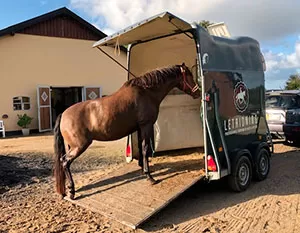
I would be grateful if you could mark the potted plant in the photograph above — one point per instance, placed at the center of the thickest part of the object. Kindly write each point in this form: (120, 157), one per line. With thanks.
(24, 121)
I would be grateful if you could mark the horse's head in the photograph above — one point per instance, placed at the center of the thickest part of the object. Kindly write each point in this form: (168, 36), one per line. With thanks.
(187, 83)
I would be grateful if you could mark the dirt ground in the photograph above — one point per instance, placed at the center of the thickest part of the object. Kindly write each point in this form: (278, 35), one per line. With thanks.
(28, 202)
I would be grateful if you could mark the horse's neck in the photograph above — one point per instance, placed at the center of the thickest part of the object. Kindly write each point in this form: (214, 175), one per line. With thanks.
(159, 93)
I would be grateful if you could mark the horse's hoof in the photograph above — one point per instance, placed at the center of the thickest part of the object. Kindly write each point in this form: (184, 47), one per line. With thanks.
(153, 181)
(72, 196)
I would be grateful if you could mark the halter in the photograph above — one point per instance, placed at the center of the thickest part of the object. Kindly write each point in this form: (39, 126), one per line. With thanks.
(186, 84)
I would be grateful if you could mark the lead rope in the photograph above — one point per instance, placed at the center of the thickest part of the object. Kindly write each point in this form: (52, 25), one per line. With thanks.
(183, 75)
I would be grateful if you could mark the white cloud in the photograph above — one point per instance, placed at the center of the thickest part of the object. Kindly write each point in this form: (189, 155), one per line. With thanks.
(270, 22)
(277, 61)
(263, 20)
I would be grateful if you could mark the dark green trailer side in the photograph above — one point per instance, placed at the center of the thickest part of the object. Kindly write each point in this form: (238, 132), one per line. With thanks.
(234, 107)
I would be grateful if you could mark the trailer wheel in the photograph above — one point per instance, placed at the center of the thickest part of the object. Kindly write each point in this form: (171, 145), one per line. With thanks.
(262, 165)
(241, 176)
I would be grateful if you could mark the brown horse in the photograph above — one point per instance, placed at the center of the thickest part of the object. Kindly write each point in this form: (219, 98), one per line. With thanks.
(134, 107)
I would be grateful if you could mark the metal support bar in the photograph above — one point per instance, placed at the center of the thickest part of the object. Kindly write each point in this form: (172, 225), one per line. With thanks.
(201, 79)
(221, 132)
(116, 61)
(170, 21)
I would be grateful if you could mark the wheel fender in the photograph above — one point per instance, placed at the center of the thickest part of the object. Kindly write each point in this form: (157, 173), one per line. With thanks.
(257, 146)
(235, 155)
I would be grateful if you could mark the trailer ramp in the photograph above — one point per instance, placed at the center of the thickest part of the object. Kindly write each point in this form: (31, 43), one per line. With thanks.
(127, 197)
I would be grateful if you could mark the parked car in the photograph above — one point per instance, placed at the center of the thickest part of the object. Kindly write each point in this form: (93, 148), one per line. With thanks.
(282, 110)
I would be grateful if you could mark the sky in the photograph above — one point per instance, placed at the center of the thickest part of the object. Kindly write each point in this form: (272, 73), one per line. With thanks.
(273, 23)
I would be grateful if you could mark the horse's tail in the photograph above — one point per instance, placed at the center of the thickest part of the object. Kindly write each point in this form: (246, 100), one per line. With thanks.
(59, 149)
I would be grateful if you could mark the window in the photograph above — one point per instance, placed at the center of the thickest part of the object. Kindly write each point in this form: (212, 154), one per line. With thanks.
(283, 101)
(21, 103)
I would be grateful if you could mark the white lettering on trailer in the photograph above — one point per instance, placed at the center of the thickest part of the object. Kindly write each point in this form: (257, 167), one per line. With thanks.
(240, 124)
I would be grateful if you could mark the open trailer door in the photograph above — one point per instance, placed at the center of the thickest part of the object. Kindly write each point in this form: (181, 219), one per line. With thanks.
(44, 108)
(154, 27)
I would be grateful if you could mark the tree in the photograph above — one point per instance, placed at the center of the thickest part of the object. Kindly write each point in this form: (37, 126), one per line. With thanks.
(293, 83)
(205, 23)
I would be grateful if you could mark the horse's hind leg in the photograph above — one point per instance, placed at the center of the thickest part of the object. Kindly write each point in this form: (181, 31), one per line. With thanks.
(146, 134)
(72, 154)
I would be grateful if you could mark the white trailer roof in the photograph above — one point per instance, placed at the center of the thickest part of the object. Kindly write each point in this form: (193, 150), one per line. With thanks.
(159, 25)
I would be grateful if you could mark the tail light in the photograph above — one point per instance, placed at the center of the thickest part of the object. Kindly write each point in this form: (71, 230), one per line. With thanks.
(211, 165)
(128, 153)
(296, 129)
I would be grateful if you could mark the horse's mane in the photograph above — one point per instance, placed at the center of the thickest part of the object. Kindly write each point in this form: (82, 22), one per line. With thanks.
(154, 78)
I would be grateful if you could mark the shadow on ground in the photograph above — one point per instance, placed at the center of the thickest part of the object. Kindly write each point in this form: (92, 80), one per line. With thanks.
(27, 168)
(17, 171)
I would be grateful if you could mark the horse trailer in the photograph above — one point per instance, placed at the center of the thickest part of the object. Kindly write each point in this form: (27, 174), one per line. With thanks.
(226, 125)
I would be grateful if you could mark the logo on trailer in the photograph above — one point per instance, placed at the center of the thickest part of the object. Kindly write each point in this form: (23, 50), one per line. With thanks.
(241, 96)
(205, 58)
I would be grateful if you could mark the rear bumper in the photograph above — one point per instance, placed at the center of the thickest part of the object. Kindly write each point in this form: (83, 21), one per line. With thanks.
(291, 131)
(276, 128)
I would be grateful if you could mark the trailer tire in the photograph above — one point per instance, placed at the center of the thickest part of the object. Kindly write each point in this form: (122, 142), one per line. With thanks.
(241, 176)
(262, 165)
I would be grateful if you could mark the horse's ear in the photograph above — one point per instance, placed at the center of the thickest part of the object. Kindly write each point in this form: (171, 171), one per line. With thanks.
(183, 64)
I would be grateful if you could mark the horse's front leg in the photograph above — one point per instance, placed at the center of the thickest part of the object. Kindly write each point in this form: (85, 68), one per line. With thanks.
(146, 151)
(141, 164)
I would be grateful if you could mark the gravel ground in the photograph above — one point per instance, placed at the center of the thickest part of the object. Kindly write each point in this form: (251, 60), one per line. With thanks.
(29, 203)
